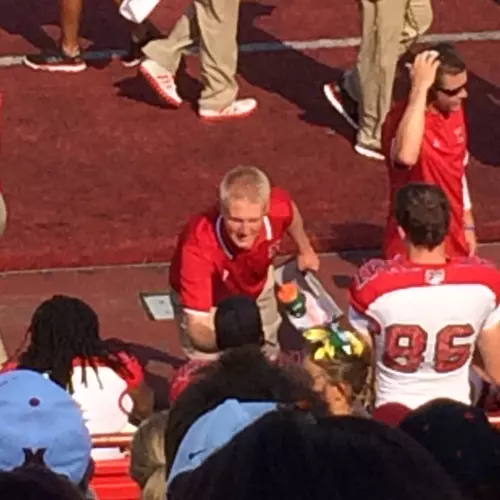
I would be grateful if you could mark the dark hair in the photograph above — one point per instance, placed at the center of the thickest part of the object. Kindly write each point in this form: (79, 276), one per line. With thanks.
(464, 443)
(64, 328)
(238, 322)
(37, 483)
(423, 211)
(287, 455)
(242, 373)
(451, 62)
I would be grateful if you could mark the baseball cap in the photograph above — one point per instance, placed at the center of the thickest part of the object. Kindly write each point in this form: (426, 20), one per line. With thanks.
(238, 322)
(41, 424)
(213, 430)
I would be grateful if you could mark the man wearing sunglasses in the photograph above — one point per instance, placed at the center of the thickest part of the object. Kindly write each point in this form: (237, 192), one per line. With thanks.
(425, 140)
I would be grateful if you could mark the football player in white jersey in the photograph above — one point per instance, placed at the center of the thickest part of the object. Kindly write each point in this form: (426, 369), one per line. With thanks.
(424, 312)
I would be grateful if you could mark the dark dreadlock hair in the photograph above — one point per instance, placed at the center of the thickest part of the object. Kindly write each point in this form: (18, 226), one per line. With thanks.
(64, 328)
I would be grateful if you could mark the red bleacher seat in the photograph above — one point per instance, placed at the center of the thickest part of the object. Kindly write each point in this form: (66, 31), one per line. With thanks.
(111, 480)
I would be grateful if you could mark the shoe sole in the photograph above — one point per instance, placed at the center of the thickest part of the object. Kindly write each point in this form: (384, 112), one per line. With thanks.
(75, 68)
(151, 81)
(369, 153)
(338, 106)
(224, 118)
(131, 64)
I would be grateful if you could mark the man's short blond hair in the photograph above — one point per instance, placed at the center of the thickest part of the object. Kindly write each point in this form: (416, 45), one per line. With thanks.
(245, 182)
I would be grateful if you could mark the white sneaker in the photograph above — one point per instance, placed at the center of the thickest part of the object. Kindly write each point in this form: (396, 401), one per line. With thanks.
(342, 102)
(240, 108)
(369, 152)
(161, 81)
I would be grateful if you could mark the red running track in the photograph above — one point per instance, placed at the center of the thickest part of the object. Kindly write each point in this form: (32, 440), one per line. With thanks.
(96, 172)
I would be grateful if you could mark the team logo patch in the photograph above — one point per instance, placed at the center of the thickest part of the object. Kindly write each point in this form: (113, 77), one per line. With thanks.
(434, 276)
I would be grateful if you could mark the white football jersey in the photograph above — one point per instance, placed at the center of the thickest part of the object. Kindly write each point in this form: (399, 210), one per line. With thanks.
(105, 405)
(425, 321)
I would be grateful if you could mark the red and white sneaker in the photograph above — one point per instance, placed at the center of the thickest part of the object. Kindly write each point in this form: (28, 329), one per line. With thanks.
(161, 81)
(342, 102)
(240, 108)
(369, 152)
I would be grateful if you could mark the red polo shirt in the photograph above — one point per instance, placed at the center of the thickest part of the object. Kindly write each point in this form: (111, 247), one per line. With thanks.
(443, 159)
(207, 268)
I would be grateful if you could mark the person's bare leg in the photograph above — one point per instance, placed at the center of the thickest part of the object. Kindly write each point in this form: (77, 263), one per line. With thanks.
(71, 15)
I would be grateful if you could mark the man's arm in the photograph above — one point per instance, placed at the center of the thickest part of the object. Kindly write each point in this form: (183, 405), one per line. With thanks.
(489, 348)
(410, 133)
(195, 295)
(201, 332)
(307, 257)
(469, 226)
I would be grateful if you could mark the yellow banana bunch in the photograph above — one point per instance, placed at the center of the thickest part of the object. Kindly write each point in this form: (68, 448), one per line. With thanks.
(321, 335)
(332, 339)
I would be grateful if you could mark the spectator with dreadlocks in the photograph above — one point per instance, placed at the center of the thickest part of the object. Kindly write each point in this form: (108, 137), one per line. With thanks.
(63, 342)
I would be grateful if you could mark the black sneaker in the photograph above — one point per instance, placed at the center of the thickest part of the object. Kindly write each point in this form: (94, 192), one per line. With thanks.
(134, 56)
(340, 99)
(58, 61)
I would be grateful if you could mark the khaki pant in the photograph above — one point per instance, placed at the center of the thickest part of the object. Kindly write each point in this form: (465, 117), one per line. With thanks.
(3, 353)
(271, 321)
(3, 223)
(213, 25)
(389, 27)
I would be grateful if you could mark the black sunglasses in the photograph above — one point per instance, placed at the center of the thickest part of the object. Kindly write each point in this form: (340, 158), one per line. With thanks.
(452, 92)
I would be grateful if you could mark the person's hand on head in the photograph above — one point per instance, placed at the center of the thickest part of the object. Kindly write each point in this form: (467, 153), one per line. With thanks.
(424, 68)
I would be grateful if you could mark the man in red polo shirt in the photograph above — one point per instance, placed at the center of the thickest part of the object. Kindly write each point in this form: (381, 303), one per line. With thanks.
(425, 139)
(229, 250)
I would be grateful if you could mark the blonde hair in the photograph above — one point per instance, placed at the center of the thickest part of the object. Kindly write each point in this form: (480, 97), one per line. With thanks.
(148, 464)
(355, 371)
(245, 182)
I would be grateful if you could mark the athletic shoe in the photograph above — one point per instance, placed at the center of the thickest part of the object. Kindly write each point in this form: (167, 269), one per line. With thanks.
(240, 108)
(58, 61)
(161, 81)
(340, 99)
(369, 152)
(133, 56)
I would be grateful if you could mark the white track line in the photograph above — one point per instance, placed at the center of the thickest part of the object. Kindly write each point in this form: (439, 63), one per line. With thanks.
(344, 254)
(322, 43)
